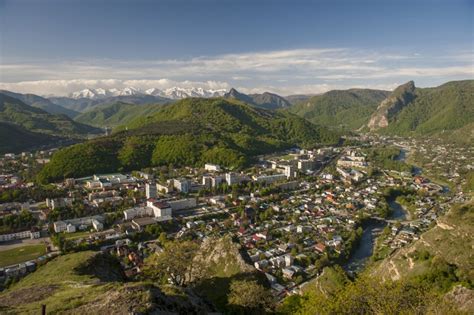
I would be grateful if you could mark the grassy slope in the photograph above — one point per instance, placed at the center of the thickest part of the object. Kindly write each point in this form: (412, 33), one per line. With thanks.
(451, 240)
(57, 284)
(92, 283)
(348, 109)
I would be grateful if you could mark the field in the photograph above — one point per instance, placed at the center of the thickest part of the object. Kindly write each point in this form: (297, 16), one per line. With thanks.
(21, 254)
(76, 235)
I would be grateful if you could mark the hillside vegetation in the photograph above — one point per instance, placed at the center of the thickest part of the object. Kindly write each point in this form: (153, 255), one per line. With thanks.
(37, 120)
(344, 109)
(446, 108)
(83, 105)
(265, 100)
(41, 102)
(434, 275)
(91, 283)
(190, 132)
(15, 138)
(115, 114)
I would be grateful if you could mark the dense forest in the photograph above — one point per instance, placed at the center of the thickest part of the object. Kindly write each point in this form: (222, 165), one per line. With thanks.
(190, 132)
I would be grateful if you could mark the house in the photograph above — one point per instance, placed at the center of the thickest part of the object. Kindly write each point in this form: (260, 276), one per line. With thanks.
(212, 167)
(288, 272)
(320, 247)
(261, 264)
(140, 223)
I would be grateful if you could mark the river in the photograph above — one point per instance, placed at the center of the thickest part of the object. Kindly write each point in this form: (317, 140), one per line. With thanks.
(364, 250)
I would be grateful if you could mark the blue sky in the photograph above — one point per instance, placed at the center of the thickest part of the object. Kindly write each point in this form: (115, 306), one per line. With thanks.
(282, 46)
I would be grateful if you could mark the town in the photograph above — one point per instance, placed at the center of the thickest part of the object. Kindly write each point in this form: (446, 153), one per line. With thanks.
(292, 213)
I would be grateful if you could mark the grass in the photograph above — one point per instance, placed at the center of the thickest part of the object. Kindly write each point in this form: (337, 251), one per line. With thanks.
(71, 287)
(21, 254)
(76, 235)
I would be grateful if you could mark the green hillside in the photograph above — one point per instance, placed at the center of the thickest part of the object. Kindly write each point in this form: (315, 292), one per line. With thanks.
(41, 102)
(190, 132)
(37, 120)
(433, 275)
(91, 283)
(445, 108)
(15, 138)
(265, 100)
(85, 104)
(342, 109)
(115, 114)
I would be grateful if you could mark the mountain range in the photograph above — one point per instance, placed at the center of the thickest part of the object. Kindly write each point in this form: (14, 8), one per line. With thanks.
(173, 93)
(444, 110)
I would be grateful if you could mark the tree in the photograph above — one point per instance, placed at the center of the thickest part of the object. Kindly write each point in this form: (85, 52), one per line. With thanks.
(176, 263)
(163, 238)
(249, 297)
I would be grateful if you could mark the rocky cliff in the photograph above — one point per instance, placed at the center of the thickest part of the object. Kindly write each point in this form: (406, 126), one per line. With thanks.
(393, 104)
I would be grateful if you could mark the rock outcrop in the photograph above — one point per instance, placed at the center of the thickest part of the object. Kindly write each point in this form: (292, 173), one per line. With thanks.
(392, 105)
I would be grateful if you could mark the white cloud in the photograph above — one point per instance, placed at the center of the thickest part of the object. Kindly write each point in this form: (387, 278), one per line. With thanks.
(282, 71)
(64, 87)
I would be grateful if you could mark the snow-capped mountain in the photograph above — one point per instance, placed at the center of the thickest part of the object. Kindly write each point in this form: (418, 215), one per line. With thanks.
(172, 93)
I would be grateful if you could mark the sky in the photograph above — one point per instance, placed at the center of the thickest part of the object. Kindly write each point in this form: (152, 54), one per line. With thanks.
(286, 47)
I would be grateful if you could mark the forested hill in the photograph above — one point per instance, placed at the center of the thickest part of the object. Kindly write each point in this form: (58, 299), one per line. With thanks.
(115, 114)
(41, 102)
(448, 108)
(34, 119)
(342, 109)
(15, 138)
(265, 100)
(190, 132)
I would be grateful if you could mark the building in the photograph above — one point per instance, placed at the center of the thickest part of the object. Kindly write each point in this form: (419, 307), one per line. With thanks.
(150, 190)
(307, 165)
(55, 203)
(83, 223)
(212, 167)
(288, 260)
(161, 210)
(269, 179)
(209, 181)
(165, 189)
(140, 223)
(182, 185)
(289, 171)
(233, 178)
(182, 204)
(132, 213)
(33, 233)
